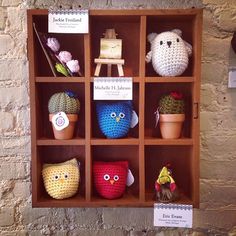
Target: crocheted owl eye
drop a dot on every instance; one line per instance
(169, 53)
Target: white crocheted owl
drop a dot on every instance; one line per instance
(169, 53)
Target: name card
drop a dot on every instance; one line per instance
(113, 88)
(68, 21)
(173, 215)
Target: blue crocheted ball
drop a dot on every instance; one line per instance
(114, 118)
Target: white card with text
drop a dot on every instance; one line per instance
(173, 215)
(68, 21)
(113, 88)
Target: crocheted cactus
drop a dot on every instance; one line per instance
(64, 101)
(172, 103)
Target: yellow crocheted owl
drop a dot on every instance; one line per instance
(61, 180)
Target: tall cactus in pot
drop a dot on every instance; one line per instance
(68, 103)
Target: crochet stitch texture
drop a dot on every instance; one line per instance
(61, 180)
(114, 118)
(169, 53)
(110, 178)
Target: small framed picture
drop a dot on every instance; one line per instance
(110, 48)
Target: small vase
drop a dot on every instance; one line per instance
(68, 132)
(171, 125)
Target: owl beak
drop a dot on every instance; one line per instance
(117, 119)
(112, 181)
(61, 181)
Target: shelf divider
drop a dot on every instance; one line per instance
(88, 161)
(142, 108)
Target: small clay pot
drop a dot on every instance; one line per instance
(68, 132)
(171, 125)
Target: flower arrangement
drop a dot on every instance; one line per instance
(65, 64)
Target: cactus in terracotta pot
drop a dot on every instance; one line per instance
(68, 103)
(171, 109)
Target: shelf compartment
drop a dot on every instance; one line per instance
(57, 154)
(97, 133)
(180, 158)
(153, 93)
(130, 44)
(42, 67)
(161, 23)
(43, 93)
(118, 153)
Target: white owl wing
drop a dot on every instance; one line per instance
(189, 48)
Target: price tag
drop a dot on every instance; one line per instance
(173, 215)
(68, 21)
(113, 88)
(60, 121)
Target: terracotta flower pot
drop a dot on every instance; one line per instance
(171, 125)
(68, 132)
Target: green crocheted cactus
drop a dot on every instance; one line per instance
(64, 101)
(172, 103)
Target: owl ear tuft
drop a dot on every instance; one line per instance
(177, 31)
(151, 37)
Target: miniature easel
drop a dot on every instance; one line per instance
(109, 34)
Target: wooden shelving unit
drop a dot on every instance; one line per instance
(144, 148)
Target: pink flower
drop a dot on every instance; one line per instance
(53, 44)
(73, 66)
(65, 56)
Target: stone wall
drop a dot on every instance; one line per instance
(217, 213)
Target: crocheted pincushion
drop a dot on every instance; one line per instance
(110, 178)
(114, 118)
(169, 53)
(61, 180)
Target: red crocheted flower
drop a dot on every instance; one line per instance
(176, 95)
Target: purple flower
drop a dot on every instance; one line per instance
(65, 56)
(73, 66)
(53, 44)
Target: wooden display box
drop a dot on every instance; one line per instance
(143, 147)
